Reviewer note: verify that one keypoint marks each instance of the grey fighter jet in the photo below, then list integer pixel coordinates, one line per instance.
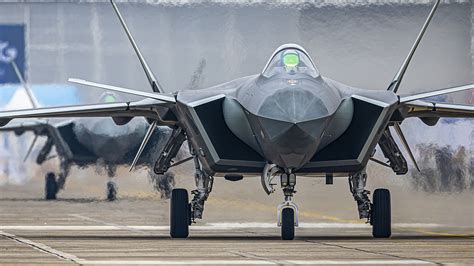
(284, 122)
(91, 142)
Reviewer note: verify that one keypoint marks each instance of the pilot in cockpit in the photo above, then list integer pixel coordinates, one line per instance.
(290, 59)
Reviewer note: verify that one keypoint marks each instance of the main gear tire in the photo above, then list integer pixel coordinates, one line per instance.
(111, 191)
(51, 187)
(179, 213)
(381, 214)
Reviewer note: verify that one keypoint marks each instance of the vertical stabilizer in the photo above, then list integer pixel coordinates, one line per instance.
(395, 84)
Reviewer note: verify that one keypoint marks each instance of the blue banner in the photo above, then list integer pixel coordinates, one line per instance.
(12, 49)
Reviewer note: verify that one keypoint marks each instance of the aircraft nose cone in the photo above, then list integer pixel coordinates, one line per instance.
(288, 126)
(289, 144)
(293, 105)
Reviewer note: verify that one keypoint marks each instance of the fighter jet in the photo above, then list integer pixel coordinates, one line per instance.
(86, 142)
(284, 122)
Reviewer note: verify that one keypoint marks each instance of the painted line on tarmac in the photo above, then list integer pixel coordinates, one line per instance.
(253, 262)
(42, 247)
(402, 227)
(468, 235)
(72, 258)
(118, 226)
(358, 262)
(206, 227)
(256, 206)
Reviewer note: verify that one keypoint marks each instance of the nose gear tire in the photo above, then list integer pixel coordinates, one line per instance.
(287, 224)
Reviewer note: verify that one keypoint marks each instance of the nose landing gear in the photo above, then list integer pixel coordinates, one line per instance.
(287, 219)
(287, 212)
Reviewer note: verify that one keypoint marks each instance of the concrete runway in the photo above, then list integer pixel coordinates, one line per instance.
(239, 227)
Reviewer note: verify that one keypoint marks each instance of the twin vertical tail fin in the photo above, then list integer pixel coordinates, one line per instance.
(155, 86)
(395, 84)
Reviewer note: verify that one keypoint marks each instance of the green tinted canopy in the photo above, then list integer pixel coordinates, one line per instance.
(291, 59)
(110, 99)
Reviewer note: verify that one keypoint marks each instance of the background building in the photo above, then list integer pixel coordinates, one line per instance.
(361, 44)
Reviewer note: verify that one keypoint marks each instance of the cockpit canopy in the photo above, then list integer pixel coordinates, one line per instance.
(108, 97)
(290, 59)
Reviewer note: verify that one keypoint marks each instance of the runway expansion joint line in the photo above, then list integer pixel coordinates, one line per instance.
(43, 248)
(373, 252)
(249, 255)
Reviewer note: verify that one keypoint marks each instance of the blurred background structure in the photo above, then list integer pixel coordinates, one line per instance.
(361, 43)
(203, 43)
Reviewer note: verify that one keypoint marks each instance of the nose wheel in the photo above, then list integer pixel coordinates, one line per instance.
(287, 219)
(288, 211)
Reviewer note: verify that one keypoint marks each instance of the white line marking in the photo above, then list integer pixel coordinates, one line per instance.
(42, 247)
(117, 226)
(358, 262)
(253, 262)
(180, 262)
(224, 226)
(206, 227)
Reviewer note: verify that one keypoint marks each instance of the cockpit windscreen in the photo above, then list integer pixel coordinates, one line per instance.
(290, 61)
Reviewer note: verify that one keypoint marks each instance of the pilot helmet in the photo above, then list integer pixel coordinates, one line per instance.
(290, 60)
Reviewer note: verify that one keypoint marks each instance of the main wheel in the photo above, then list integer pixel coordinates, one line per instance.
(111, 191)
(287, 224)
(51, 187)
(381, 214)
(179, 213)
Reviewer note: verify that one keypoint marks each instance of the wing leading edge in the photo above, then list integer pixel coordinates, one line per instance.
(147, 108)
(430, 112)
(422, 109)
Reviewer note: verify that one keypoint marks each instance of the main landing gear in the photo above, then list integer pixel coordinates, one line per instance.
(111, 190)
(51, 186)
(54, 183)
(182, 212)
(287, 212)
(378, 213)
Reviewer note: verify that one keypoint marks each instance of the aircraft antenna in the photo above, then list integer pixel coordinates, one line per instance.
(395, 84)
(155, 86)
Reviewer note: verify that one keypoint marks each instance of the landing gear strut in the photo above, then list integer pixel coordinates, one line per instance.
(184, 213)
(378, 213)
(112, 187)
(288, 211)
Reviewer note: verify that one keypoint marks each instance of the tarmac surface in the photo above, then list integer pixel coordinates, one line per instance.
(239, 226)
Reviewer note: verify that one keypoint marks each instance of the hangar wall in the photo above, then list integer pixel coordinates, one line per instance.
(361, 44)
